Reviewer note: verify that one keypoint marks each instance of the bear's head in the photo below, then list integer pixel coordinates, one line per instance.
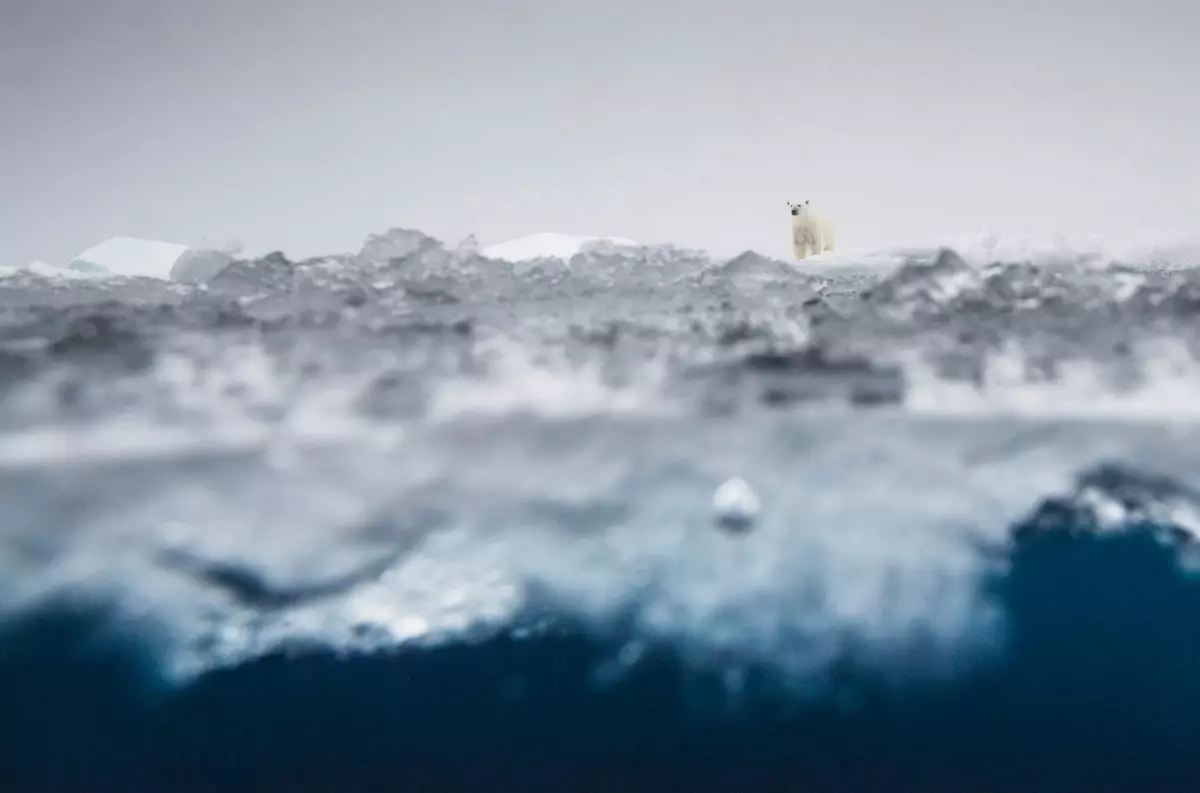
(798, 209)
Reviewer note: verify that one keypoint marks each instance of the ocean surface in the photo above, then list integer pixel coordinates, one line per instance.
(414, 519)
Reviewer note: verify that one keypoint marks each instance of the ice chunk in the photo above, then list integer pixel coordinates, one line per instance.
(200, 266)
(397, 243)
(735, 505)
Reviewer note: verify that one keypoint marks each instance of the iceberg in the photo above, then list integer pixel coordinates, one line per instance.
(547, 245)
(130, 257)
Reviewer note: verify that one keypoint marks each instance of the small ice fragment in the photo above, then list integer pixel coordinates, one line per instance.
(735, 505)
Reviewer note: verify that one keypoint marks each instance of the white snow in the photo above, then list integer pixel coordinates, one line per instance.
(47, 270)
(547, 245)
(43, 269)
(131, 257)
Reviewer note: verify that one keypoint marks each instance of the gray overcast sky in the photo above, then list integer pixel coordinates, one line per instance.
(305, 125)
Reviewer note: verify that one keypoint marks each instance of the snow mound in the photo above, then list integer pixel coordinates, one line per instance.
(130, 257)
(548, 245)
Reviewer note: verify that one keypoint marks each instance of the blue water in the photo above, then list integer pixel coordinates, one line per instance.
(1097, 691)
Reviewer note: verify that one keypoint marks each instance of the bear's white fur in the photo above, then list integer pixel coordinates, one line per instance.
(812, 233)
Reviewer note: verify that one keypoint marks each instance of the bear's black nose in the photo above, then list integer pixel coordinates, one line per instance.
(795, 211)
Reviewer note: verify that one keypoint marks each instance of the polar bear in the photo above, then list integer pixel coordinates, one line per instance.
(812, 233)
